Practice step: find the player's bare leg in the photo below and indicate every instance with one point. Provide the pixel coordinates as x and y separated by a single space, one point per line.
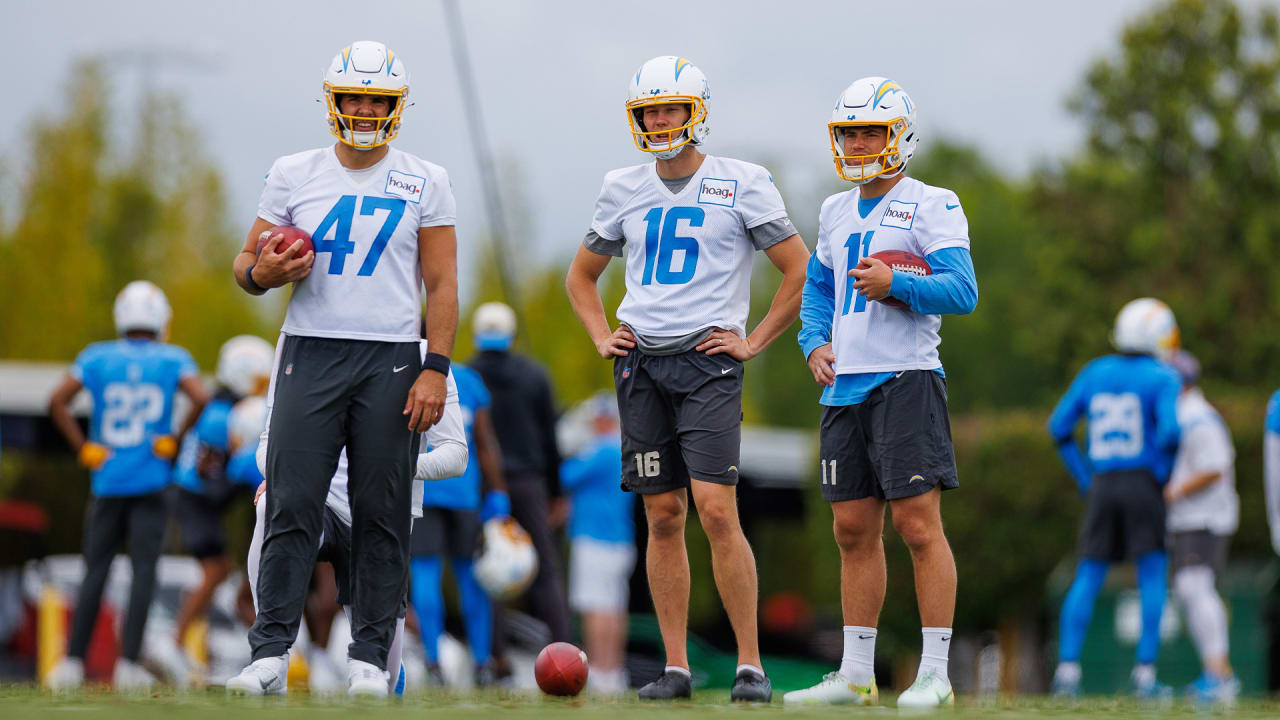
605 634
859 532
214 569
667 562
732 563
919 521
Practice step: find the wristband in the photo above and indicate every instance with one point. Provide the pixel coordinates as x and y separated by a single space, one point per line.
248 278
437 362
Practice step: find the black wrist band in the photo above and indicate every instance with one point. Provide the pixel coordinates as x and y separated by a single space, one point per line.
437 362
248 278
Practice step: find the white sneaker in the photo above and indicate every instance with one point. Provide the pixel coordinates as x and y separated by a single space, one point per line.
268 676
365 680
131 677
171 661
835 689
68 674
929 691
323 676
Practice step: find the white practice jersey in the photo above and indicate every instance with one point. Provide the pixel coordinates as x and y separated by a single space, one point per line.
447 436
366 282
869 336
688 254
1206 447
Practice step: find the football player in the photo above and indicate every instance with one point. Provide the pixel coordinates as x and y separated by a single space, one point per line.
885 438
443 454
203 489
1204 512
131 443
1131 402
1271 467
688 224
349 372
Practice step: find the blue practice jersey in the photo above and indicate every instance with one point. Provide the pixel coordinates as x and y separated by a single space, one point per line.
462 492
210 431
133 383
593 478
1273 414
1131 404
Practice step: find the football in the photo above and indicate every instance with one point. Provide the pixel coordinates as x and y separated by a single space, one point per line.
906 262
291 235
561 669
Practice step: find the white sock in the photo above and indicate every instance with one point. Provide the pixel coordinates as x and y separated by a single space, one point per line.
1068 673
1206 615
858 665
1144 674
937 645
677 669
753 668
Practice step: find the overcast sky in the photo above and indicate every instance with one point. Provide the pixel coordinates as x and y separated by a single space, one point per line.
552 78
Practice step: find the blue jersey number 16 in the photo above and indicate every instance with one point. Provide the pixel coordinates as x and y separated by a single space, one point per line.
340 219
661 242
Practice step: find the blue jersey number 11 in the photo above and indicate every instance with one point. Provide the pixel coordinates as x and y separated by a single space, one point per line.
339 220
859 245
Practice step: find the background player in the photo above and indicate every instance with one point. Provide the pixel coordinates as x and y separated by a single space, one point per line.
885 434
452 515
602 550
1271 467
131 442
204 489
384 221
1130 401
687 224
1204 512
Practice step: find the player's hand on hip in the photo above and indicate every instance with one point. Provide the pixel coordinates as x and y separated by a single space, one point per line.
873 278
164 447
617 344
275 269
92 455
425 405
822 363
723 341
257 494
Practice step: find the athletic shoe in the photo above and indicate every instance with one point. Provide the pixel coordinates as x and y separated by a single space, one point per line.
131 677
671 686
68 674
1066 681
365 680
323 676
751 686
835 689
268 676
486 675
1148 688
170 662
1210 690
929 691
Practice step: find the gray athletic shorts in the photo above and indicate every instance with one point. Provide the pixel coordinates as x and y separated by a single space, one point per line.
1190 548
681 416
446 531
895 444
1124 517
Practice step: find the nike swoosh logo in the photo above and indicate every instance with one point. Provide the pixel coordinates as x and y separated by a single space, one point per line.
952 207
946 639
864 637
395 370
726 370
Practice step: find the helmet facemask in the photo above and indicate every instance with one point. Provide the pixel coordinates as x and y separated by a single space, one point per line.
343 126
692 131
860 169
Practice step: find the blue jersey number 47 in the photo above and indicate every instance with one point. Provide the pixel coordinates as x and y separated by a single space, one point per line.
339 220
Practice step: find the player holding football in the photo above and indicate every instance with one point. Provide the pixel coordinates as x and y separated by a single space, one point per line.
1131 401
131 442
688 225
349 373
885 437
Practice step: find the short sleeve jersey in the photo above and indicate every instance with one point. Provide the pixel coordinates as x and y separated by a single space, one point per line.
462 492
133 384
366 281
868 336
1205 447
688 254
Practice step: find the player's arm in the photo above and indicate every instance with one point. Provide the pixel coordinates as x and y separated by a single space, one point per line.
582 286
448 441
272 269
497 503
790 256
193 387
817 307
60 412
1062 423
1205 443
952 289
1271 483
438 258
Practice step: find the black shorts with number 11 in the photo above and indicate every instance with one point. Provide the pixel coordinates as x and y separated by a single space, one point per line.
681 417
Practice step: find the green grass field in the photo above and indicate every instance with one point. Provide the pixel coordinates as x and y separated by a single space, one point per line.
22 702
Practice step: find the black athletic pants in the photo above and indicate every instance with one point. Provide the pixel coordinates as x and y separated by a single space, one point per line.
331 393
108 521
547 594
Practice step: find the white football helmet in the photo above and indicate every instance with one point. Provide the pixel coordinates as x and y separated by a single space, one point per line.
244 365
366 68
508 562
1146 326
493 326
141 306
663 80
245 423
874 101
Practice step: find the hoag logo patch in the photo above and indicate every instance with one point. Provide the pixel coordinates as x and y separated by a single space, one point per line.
899 215
715 191
404 185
